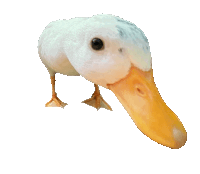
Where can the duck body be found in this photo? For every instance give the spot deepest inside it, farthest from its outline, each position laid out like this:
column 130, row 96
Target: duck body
column 67, row 42
column 51, row 46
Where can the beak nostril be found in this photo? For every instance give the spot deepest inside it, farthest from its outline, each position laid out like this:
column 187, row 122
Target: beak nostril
column 140, row 91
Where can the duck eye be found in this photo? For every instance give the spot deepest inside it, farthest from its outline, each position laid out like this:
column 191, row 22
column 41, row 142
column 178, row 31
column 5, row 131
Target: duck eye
column 97, row 44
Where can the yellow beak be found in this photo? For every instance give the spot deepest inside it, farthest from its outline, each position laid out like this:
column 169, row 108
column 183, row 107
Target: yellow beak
column 140, row 97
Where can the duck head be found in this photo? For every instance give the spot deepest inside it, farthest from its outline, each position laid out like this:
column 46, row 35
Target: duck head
column 115, row 54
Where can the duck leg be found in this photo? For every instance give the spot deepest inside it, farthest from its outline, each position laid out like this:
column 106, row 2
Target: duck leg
column 55, row 101
column 97, row 100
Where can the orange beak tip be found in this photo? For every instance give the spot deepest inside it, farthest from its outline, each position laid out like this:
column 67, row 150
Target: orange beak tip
column 180, row 138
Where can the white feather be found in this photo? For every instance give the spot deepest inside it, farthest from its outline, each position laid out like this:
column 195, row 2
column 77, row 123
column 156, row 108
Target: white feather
column 65, row 47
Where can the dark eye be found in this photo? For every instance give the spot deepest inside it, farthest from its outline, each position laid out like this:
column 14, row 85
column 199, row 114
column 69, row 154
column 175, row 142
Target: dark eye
column 97, row 44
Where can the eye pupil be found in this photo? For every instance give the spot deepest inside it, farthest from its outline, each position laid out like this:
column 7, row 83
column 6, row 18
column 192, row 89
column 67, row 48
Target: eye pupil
column 97, row 44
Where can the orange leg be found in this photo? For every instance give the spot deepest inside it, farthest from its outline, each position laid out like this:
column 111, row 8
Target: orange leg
column 97, row 100
column 55, row 101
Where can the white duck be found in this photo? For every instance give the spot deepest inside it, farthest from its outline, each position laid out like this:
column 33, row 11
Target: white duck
column 115, row 54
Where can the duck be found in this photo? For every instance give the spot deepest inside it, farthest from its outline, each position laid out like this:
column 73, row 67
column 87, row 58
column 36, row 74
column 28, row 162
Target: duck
column 113, row 53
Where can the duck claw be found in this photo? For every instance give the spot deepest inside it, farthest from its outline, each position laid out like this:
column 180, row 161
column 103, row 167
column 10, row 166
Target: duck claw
column 97, row 102
column 55, row 102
